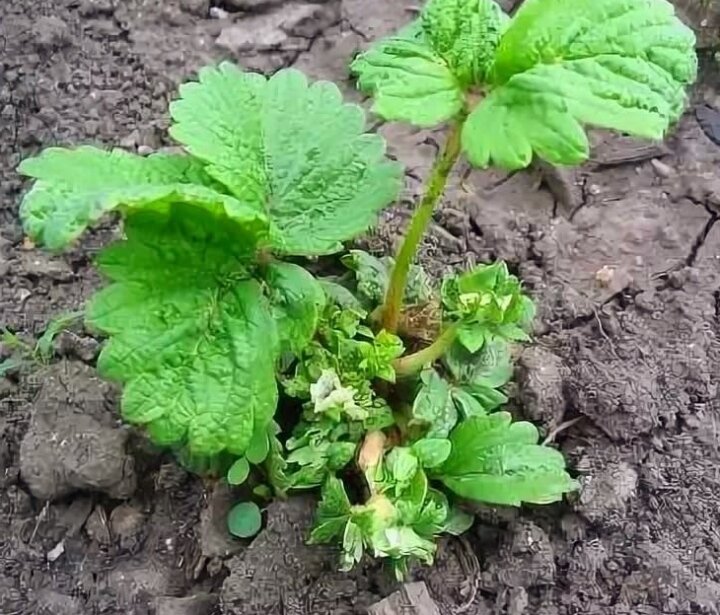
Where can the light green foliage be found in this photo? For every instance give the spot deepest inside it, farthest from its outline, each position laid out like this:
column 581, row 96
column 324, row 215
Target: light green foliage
column 293, row 149
column 75, row 188
column 556, row 66
column 191, row 336
column 497, row 461
column 489, row 305
column 238, row 472
column 465, row 33
column 244, row 520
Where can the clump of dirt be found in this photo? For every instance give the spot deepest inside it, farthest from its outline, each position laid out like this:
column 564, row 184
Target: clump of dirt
column 622, row 256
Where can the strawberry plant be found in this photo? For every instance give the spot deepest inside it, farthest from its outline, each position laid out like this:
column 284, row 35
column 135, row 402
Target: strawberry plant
column 389, row 383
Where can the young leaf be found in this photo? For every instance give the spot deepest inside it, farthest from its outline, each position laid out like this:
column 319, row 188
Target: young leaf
column 275, row 464
column 432, row 452
column 620, row 64
column 244, row 520
column 294, row 149
column 433, row 405
column 75, row 188
column 409, row 81
column 499, row 462
column 465, row 33
column 402, row 464
column 297, row 299
column 238, row 472
column 457, row 522
column 352, row 546
column 259, row 447
column 332, row 513
column 193, row 341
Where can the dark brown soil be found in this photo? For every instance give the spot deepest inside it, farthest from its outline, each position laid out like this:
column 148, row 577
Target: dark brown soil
column 622, row 256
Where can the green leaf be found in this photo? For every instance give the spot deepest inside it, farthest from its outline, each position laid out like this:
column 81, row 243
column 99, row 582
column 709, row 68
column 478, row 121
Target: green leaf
column 352, row 546
column 275, row 464
column 411, row 498
column 294, row 149
column 339, row 454
column 75, row 188
column 499, row 462
column 402, row 464
column 340, row 295
column 373, row 277
column 332, row 513
column 397, row 542
column 44, row 347
column 238, row 472
column 191, row 338
column 619, row 64
column 409, row 81
column 433, row 515
column 432, row 452
column 244, row 520
column 457, row 522
column 259, row 447
column 465, row 33
column 297, row 300
column 433, row 405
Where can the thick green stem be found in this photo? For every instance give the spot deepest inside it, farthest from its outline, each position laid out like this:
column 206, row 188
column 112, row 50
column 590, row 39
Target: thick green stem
column 414, row 363
column 435, row 187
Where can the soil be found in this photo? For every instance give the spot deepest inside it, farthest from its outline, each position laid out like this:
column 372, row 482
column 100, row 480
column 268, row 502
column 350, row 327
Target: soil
column 622, row 256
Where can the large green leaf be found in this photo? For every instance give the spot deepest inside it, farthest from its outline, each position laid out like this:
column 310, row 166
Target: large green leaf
column 191, row 336
column 75, row 188
column 433, row 405
column 465, row 33
column 619, row 64
column 497, row 461
column 294, row 148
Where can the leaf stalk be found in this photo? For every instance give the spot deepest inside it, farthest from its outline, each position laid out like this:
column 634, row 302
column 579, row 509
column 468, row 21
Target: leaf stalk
column 434, row 190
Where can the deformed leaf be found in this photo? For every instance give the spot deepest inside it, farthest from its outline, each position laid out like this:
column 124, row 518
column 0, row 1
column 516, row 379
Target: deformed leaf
column 332, row 513
column 496, row 461
column 433, row 405
column 297, row 300
column 465, row 33
column 294, row 149
column 619, row 64
column 191, row 336
column 75, row 188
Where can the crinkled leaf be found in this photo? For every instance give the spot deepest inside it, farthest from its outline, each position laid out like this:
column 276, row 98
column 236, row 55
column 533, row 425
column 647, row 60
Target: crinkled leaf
column 432, row 452
column 297, row 300
column 340, row 295
column 192, row 339
column 238, row 472
column 372, row 275
column 244, row 520
column 619, row 64
column 410, row 500
column 465, row 33
column 275, row 464
column 340, row 454
column 409, row 81
column 433, row 515
column 433, row 405
column 75, row 188
column 332, row 513
column 497, row 461
column 402, row 463
column 295, row 149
